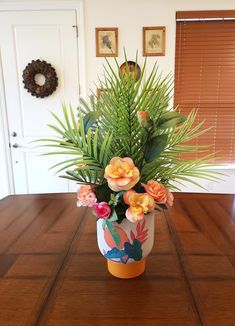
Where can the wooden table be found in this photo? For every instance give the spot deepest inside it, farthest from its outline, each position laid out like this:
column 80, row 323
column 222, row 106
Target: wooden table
column 51, row 272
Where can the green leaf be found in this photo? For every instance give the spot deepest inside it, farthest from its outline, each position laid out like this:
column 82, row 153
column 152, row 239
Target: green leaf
column 113, row 233
column 95, row 144
column 154, row 147
column 103, row 192
column 89, row 142
column 107, row 152
column 109, row 127
column 89, row 120
column 114, row 199
column 170, row 120
column 171, row 123
column 58, row 120
column 103, row 148
column 113, row 217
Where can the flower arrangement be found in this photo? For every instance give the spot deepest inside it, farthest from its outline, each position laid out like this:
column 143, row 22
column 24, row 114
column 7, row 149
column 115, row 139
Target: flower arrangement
column 125, row 148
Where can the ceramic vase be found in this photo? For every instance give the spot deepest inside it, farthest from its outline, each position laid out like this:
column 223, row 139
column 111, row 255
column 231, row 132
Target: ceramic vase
column 126, row 245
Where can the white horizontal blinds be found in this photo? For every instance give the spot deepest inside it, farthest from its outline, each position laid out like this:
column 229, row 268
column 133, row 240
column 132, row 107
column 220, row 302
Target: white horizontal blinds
column 205, row 79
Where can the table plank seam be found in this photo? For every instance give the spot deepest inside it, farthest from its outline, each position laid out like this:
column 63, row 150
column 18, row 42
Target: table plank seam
column 187, row 281
column 23, row 231
column 44, row 307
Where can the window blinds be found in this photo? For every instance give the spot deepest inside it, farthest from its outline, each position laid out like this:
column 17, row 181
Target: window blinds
column 205, row 79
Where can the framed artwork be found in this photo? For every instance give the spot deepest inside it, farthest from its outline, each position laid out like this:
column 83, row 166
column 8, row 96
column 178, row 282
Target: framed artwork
column 154, row 41
column 134, row 70
column 106, row 42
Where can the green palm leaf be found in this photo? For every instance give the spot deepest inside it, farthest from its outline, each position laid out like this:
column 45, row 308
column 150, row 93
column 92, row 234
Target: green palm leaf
column 108, row 126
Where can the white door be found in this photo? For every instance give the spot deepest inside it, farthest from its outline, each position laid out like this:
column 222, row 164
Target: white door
column 26, row 36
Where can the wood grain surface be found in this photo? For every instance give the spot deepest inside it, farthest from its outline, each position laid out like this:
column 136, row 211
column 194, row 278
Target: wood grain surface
column 51, row 272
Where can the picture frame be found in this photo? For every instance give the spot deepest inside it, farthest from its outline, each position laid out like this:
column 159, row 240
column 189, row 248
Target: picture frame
column 154, row 41
column 106, row 41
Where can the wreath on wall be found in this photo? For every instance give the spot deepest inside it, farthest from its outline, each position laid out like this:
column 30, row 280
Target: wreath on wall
column 43, row 68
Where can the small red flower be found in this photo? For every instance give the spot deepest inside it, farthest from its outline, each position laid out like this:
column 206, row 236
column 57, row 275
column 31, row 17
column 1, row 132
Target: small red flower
column 102, row 209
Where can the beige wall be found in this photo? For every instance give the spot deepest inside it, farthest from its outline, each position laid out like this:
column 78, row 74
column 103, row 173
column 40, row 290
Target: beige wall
column 130, row 16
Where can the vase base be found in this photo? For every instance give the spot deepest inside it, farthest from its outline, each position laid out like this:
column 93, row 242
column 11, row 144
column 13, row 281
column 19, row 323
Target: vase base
column 126, row 270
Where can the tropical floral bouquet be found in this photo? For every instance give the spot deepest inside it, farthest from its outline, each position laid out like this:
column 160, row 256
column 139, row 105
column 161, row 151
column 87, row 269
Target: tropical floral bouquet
column 126, row 146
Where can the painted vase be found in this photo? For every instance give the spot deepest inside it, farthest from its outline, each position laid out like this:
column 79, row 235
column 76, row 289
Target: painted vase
column 126, row 245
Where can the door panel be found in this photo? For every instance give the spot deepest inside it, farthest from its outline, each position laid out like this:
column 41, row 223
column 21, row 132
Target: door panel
column 33, row 173
column 27, row 36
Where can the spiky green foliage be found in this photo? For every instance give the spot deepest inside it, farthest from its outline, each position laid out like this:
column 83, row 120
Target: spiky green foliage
column 108, row 126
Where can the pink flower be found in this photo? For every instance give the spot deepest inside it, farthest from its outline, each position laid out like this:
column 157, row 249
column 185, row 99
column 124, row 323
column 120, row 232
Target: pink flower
column 121, row 174
column 170, row 199
column 86, row 196
column 102, row 209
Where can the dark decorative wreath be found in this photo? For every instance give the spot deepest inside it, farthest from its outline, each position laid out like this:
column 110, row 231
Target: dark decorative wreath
column 45, row 69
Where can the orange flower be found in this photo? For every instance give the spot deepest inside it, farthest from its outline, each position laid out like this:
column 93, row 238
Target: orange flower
column 157, row 191
column 121, row 174
column 140, row 204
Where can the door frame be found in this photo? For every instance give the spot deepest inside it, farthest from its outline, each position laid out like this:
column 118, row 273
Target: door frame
column 78, row 7
column 7, row 174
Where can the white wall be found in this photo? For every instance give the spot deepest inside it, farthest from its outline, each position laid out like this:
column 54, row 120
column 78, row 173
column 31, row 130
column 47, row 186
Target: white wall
column 130, row 16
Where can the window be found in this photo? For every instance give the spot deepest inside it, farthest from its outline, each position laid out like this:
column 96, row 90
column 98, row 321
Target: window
column 205, row 76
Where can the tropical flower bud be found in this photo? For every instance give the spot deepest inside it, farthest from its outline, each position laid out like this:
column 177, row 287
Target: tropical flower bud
column 102, row 209
column 81, row 165
column 121, row 174
column 144, row 119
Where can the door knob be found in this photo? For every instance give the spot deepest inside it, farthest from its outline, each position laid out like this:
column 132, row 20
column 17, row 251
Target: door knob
column 15, row 145
column 14, row 134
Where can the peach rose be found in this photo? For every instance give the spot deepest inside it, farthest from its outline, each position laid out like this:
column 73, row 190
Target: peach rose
column 85, row 196
column 140, row 204
column 157, row 191
column 121, row 174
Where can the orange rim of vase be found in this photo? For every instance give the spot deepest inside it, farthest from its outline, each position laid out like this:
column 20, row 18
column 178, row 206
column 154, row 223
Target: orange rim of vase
column 126, row 270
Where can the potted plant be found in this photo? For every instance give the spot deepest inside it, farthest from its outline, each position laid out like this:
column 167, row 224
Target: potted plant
column 125, row 149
